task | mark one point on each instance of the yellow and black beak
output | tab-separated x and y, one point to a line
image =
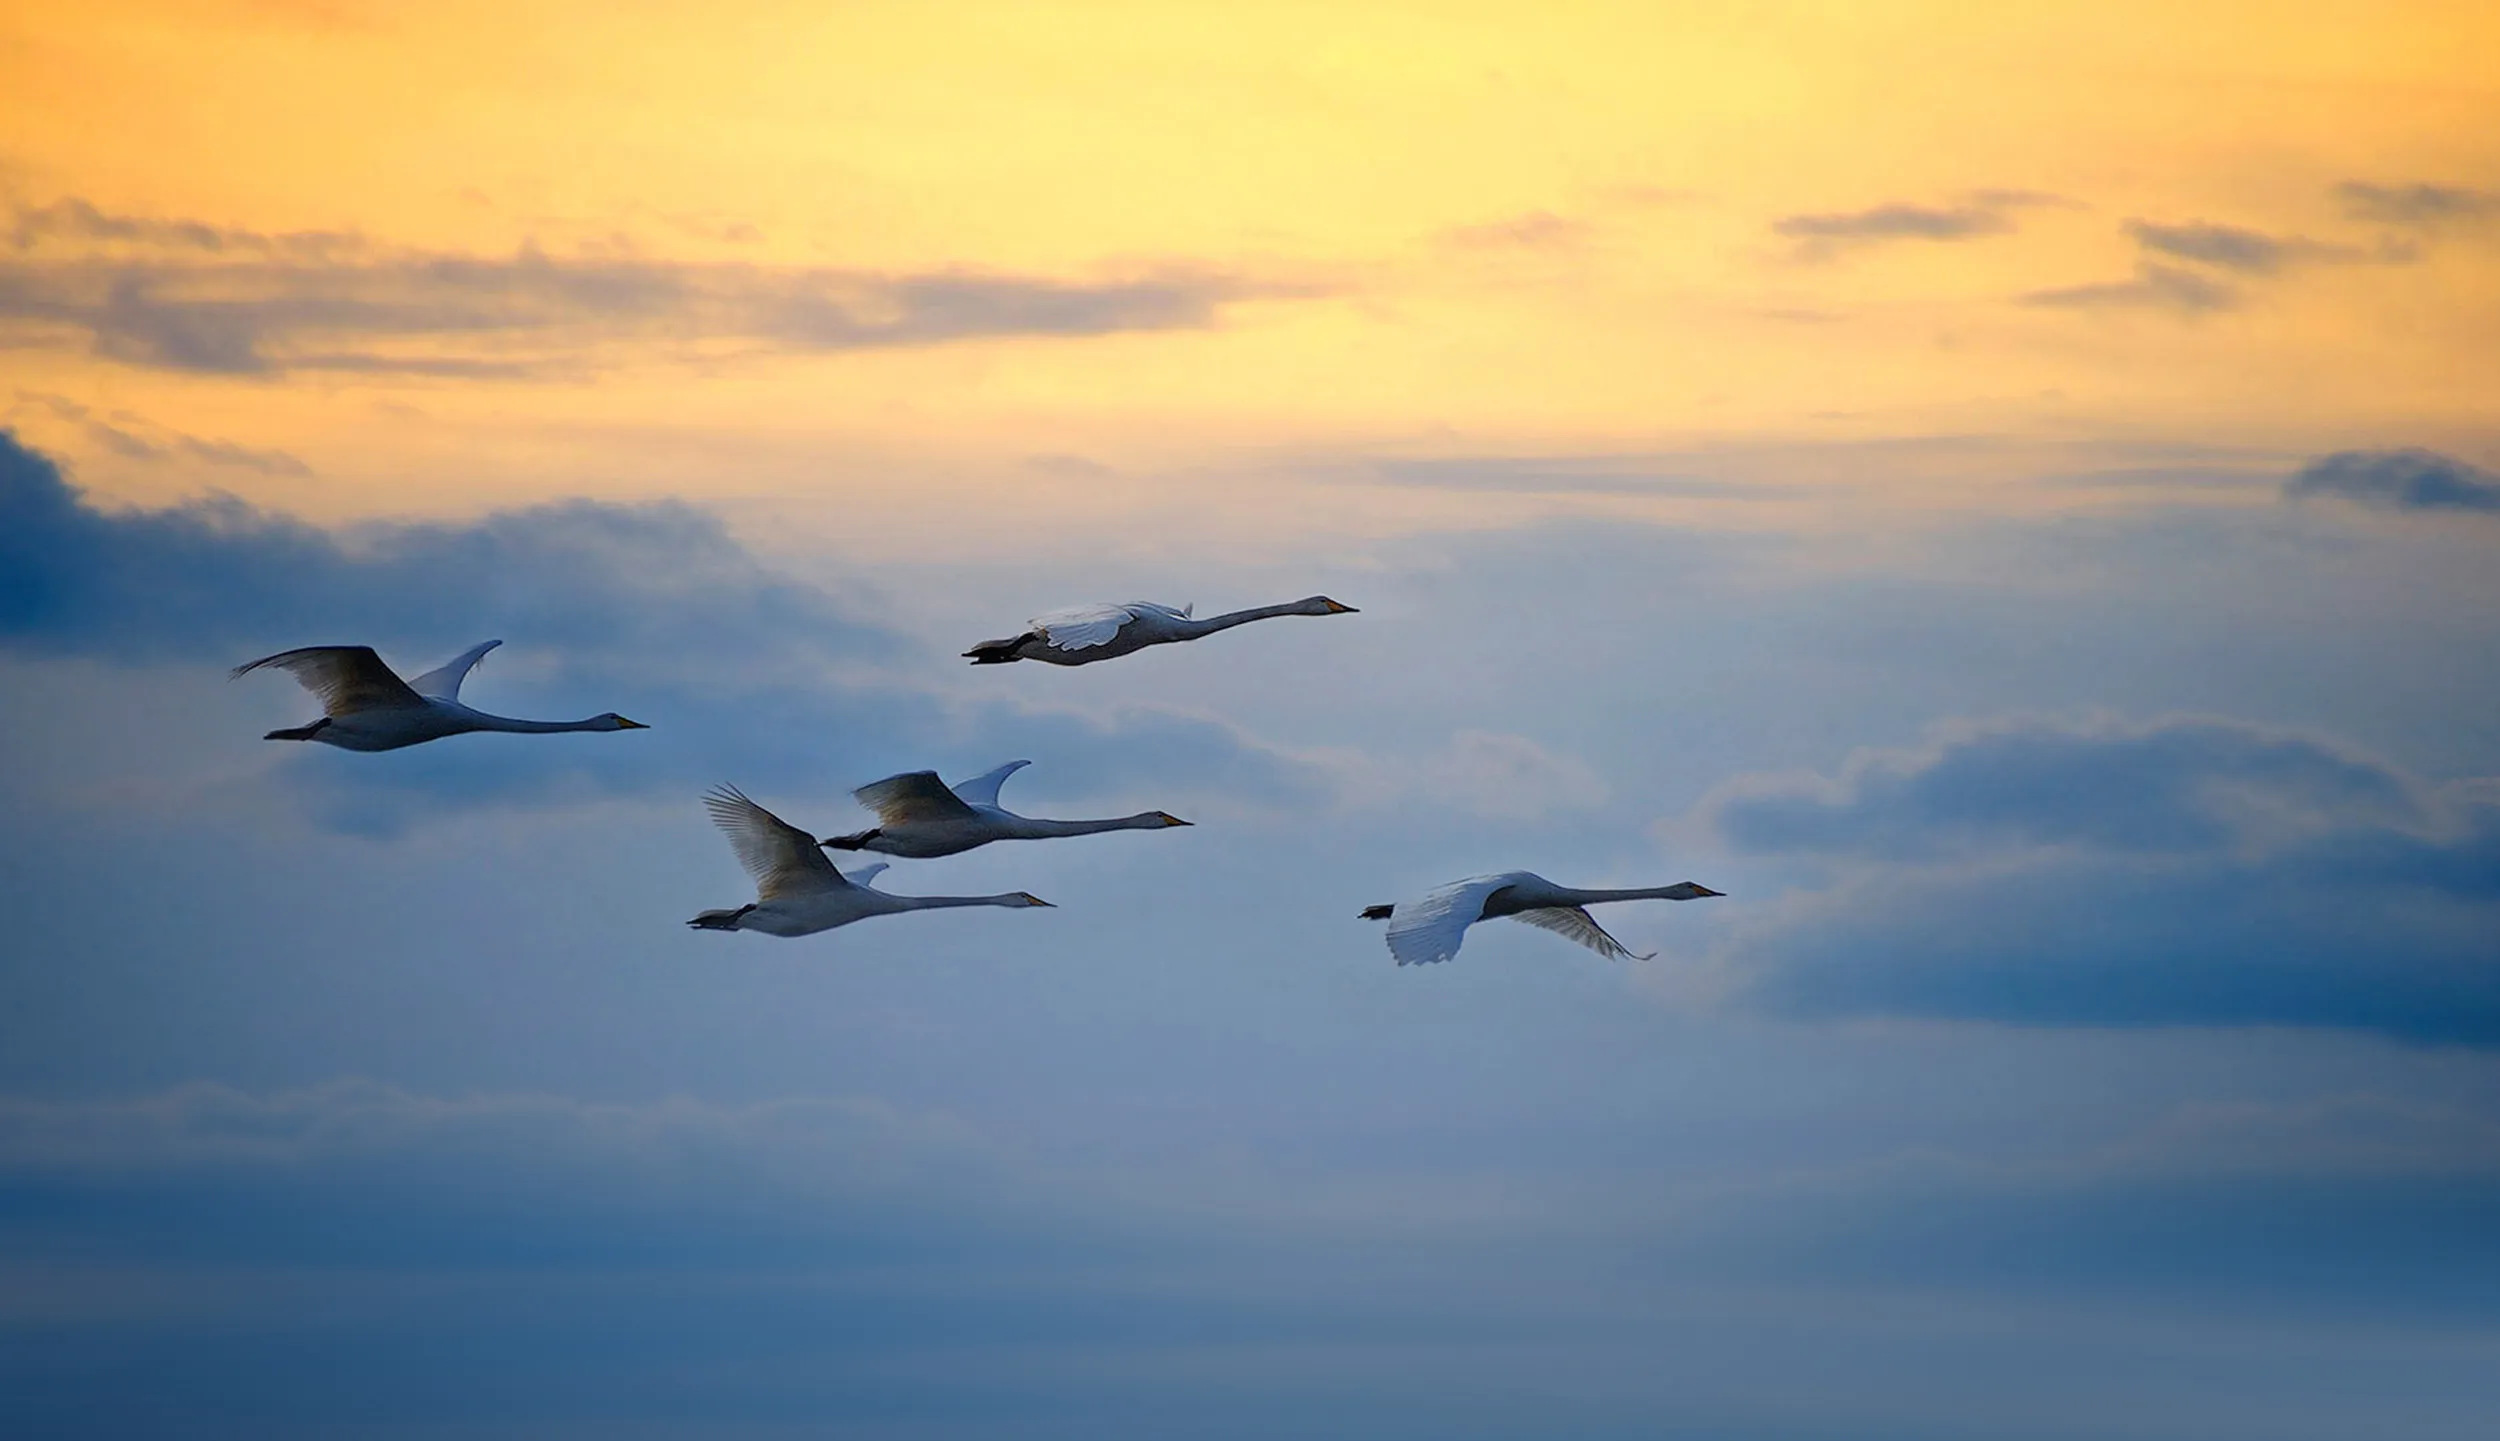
1340	608
1031	899
1170	819
630	725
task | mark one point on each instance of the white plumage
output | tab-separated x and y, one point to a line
1430	928
1083	634
797	890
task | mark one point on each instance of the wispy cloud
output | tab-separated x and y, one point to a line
1977	215
134	437
2420	205
2251	252
2155	287
2411	479
182	295
1529	230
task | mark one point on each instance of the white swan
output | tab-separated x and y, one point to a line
1429	928
797	890
919	817
369	708
1081	635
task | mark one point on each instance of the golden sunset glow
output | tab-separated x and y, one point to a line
1065	258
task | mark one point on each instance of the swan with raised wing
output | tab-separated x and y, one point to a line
919	817
367	707
1430	927
1081	635
797	890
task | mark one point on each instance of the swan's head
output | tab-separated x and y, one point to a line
1028	899
614	722
1166	818
1322	605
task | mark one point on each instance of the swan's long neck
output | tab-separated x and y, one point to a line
941	903
1680	891
480	720
1026	828
1227	621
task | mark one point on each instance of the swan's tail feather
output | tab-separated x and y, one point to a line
720	920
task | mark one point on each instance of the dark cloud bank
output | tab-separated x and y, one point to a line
2185	872
2411	479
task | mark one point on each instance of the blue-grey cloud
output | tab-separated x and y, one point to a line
2420	205
2155	287
2410	479
185	296
2187	872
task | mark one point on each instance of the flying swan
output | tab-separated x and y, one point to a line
797	890
1431	927
1081	635
369	708
920	818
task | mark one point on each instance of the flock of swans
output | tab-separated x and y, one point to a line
799	891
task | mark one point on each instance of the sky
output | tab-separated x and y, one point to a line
2009	495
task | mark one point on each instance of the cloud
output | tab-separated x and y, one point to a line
1821	235
653	610
1530	230
2252	252
2410	479
2182	872
185	296
2155	287
133	437
2420	206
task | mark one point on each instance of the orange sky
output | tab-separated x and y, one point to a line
1154	263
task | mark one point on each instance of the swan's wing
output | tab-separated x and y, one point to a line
784	860
1577	924
1081	627
1429	929
912	798
443	682
347	678
1148	607
865	877
982	790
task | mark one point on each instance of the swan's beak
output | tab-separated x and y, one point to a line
1337	608
1170	819
1031	899
630	725
1700	890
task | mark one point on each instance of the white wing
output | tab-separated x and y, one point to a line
913	798
982	790
347	678
1580	926
784	860
1148	607
1082	627
866	874
443	682
1429	929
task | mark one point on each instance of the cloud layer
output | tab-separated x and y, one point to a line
2183	872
